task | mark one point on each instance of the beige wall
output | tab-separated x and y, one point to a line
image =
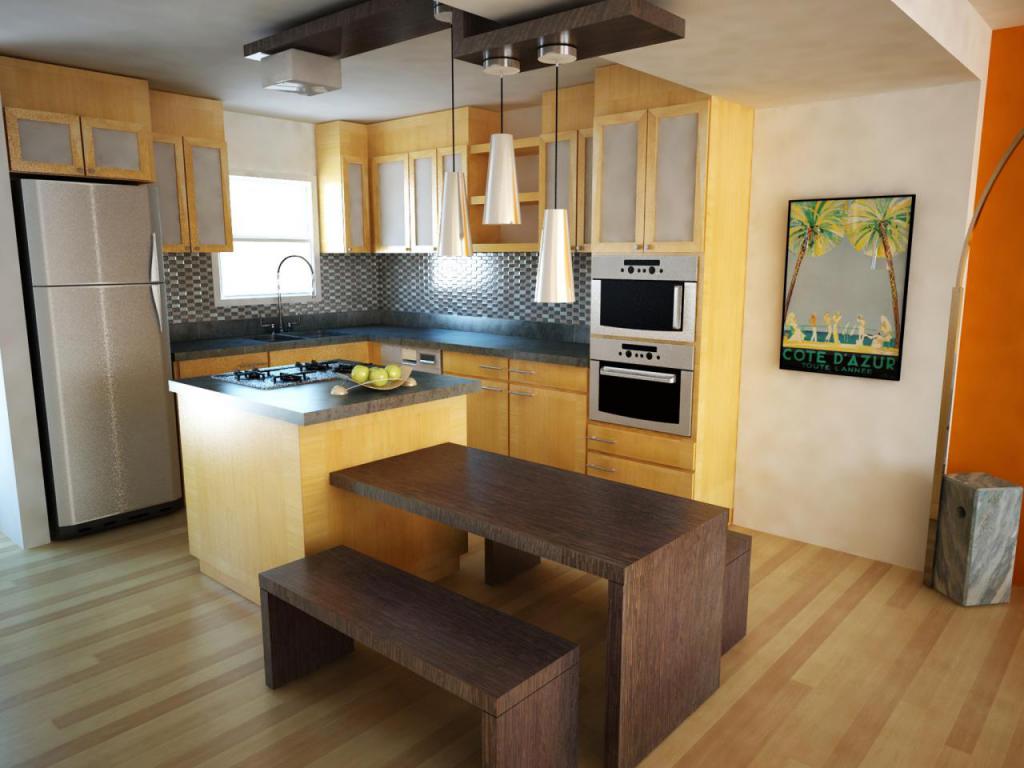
842	462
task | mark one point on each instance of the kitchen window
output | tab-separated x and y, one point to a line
271	218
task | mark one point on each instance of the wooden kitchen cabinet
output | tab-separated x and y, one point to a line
476	366
391	201
584	189
641	444
567	178
44	142
172	196
206	186
343	187
424	200
570	377
653	477
548	426
190	160
649	179
116	149
487	414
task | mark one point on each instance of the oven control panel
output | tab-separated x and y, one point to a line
673	268
656	354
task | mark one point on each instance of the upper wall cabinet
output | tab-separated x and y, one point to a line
649	179
44	142
343	178
191	172
567	158
391	226
71	122
423	200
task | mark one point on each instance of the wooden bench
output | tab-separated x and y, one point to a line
524	681
737	587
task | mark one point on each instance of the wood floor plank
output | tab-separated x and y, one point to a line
105	661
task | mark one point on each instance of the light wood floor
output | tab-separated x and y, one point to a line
115	651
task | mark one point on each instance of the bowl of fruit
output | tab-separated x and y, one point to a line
383	378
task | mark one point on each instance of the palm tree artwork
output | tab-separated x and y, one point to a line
815	228
880	226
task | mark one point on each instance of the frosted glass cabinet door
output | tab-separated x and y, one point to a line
676	160
619	167
44	142
357	214
209	210
391	203
424	200
566	199
117	150
169	173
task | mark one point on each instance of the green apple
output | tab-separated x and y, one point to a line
394	371
378	377
360	374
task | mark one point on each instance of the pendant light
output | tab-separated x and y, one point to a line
501	201
554	269
454	237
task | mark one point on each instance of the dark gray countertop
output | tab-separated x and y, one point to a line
314	404
517	347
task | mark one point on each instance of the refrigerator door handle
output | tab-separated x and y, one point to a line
154	261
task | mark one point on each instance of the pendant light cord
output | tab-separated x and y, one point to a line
556	136
452	34
501	102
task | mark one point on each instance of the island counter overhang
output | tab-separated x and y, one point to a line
256	468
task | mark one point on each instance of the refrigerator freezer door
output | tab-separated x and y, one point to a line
81	233
104	367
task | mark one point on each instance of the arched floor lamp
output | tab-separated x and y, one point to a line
956	318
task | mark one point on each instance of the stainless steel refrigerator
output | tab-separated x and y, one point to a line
93	272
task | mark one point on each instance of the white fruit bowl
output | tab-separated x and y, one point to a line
406	380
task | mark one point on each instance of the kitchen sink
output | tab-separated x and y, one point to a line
272	337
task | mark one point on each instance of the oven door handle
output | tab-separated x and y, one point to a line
677	307
640	375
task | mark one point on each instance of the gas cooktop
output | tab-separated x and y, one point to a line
294	375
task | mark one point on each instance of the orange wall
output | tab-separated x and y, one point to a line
988	416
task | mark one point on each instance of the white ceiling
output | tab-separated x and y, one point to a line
760	52
1001	13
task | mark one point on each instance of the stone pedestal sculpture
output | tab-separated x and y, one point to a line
977	538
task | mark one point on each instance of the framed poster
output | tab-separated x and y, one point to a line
845	292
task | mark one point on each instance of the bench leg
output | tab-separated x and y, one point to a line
294	643
541	730
734	600
502	562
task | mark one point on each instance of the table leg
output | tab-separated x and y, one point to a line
541	730
502	562
294	643
664	642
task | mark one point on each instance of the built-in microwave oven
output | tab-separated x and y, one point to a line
642	384
644	297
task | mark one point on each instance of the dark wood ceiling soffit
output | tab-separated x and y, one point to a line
598	29
356	29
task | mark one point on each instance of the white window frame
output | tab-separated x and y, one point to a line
271	299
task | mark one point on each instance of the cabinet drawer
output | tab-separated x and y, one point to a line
640	444
677	482
487	417
190	369
478	366
353	350
570	377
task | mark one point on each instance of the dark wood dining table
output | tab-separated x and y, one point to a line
663	558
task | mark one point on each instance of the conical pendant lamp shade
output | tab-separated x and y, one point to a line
501	205
554	270
454	238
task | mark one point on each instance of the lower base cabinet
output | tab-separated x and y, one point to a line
548	426
677	482
652	460
487	417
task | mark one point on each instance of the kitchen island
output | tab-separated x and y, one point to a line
256	466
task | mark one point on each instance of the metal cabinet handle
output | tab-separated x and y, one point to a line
639	374
520	370
492	367
600	469
600	440
492	389
520	394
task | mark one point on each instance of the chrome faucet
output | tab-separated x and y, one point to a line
280	304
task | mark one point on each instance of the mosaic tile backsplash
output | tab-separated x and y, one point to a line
494	285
